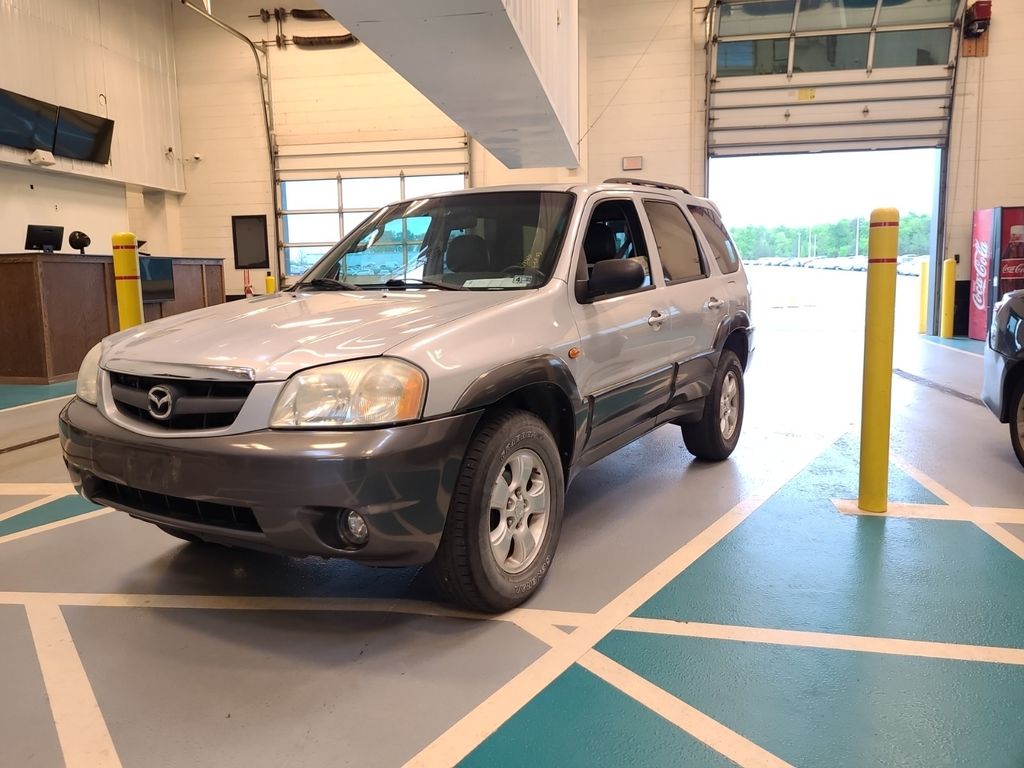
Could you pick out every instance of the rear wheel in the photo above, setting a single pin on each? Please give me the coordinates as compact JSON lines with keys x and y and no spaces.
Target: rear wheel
{"x":714,"y":437}
{"x":1017,"y":421}
{"x":505,"y":516}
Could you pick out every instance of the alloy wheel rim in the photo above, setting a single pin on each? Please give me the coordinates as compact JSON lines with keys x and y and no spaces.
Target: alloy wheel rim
{"x":729,"y":407}
{"x":519,"y":511}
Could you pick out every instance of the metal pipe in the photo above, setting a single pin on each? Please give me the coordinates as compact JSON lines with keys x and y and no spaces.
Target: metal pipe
{"x":262,"y":78}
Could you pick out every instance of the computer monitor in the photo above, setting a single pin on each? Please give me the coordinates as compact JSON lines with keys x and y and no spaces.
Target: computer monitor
{"x":43,"y":238}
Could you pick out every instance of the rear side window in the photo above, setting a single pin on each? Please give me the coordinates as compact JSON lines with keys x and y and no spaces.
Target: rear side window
{"x":677,"y":246}
{"x":711,"y":225}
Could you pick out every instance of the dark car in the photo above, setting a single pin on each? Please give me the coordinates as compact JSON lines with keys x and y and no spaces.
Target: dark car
{"x":1003,"y":387}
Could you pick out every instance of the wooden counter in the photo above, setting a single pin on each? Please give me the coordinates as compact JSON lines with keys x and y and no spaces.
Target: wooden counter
{"x":54,"y":307}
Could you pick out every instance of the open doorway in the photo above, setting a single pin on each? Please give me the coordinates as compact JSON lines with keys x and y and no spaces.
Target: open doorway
{"x":801,"y":224}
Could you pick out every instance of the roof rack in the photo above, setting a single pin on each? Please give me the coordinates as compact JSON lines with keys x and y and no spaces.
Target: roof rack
{"x":646,"y":183}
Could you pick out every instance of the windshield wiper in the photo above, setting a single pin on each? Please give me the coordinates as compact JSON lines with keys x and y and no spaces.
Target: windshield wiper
{"x":398,"y":282}
{"x":328,"y":284}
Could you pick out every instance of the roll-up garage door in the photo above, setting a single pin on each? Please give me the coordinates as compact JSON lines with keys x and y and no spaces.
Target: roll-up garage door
{"x":327,"y":189}
{"x":823,"y":75}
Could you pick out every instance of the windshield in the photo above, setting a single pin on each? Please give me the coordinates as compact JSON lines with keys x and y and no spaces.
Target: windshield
{"x":482,"y":241}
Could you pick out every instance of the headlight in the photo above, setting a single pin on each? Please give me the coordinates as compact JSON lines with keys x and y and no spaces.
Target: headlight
{"x":88,"y":376}
{"x":354,"y":394}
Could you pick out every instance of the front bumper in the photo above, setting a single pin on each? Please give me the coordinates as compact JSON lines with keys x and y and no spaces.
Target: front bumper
{"x":278,"y":490}
{"x":993,"y":384}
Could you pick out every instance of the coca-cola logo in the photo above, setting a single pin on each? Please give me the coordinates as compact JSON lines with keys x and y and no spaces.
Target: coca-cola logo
{"x":978,"y":289}
{"x":1012,"y":268}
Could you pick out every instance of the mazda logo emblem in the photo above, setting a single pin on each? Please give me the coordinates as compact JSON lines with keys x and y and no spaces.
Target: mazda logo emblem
{"x":161,"y":403}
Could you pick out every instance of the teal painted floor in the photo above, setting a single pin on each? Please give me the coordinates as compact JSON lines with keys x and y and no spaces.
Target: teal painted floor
{"x":51,"y":512}
{"x":12,"y":395}
{"x":796,"y":563}
{"x":960,"y":342}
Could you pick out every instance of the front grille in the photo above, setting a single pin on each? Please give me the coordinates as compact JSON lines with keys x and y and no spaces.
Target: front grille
{"x":175,"y":507}
{"x":195,"y":404}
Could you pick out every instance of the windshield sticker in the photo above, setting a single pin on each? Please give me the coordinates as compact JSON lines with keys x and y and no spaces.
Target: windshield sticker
{"x":512,"y":281}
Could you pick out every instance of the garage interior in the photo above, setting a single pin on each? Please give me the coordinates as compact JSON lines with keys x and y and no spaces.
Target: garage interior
{"x":744,"y":612}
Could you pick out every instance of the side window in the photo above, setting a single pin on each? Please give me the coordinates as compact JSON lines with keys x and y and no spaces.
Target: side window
{"x":711,"y":225}
{"x":614,"y":232}
{"x":677,"y":247}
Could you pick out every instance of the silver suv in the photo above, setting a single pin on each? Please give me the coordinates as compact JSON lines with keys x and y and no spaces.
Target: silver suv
{"x":435,"y":407}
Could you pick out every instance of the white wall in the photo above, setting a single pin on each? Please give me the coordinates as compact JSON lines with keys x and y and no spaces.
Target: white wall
{"x":986,"y":167}
{"x":108,"y":57}
{"x":319,"y":96}
{"x":31,"y":196}
{"x":646,"y":91}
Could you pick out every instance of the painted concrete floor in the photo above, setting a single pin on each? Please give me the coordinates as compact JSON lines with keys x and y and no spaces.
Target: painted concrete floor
{"x":740,"y":613}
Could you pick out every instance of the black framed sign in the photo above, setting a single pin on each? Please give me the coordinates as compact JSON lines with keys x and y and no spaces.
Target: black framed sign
{"x":249,"y":237}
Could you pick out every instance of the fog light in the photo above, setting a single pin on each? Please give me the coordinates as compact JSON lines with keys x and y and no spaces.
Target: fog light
{"x":353,"y":528}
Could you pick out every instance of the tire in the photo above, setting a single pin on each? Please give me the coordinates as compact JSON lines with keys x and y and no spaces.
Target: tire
{"x":1017,"y":421}
{"x":489,"y":494}
{"x":191,"y":538}
{"x":714,"y":437}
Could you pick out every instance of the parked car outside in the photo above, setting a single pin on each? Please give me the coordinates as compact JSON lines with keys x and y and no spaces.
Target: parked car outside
{"x":1003,"y":383}
{"x":400,"y":420}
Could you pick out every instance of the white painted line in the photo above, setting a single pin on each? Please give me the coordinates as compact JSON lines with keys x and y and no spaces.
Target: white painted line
{"x":84,"y":738}
{"x":463,"y":737}
{"x":546,"y":633}
{"x":54,"y":525}
{"x":884,"y":645}
{"x":937,"y":512}
{"x":932,"y":485}
{"x":37,"y":489}
{"x":1004,"y":537}
{"x":29,"y":506}
{"x":37,"y":402}
{"x":723,"y":740}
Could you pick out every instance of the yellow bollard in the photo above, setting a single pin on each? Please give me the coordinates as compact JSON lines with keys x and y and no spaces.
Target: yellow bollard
{"x":879,"y":322}
{"x":948,"y":294}
{"x":270,"y":284}
{"x":922,"y":325}
{"x":126,"y":280}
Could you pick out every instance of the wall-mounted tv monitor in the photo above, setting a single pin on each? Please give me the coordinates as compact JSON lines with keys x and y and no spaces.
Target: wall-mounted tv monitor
{"x":26,"y":123}
{"x":82,"y":136}
{"x":157,"y":278}
{"x":42,"y":238}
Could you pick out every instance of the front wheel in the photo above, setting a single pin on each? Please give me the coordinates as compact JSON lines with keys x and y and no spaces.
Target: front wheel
{"x":714,"y":437}
{"x":505,"y":516}
{"x":1017,"y":421}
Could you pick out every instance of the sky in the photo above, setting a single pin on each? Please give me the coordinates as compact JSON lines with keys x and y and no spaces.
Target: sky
{"x":799,"y":190}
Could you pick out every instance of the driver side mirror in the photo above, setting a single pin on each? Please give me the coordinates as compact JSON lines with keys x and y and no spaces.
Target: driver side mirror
{"x":615,"y":276}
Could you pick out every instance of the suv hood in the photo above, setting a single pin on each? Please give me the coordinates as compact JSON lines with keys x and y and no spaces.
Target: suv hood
{"x":277,"y":335}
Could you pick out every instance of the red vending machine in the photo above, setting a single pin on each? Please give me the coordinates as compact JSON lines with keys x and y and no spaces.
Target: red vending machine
{"x":997,"y":263}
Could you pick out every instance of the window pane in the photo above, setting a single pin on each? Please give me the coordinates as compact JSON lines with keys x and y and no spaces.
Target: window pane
{"x":300,"y":258}
{"x":311,"y":228}
{"x":711,"y":225}
{"x":916,"y":11}
{"x":835,"y":14}
{"x":430,"y":185}
{"x":753,"y":57}
{"x":829,"y":52}
{"x":919,"y":47}
{"x":353,"y":219}
{"x":756,"y":17}
{"x":680,"y":258}
{"x":615,"y":232}
{"x":309,"y":195}
{"x":370,"y":193}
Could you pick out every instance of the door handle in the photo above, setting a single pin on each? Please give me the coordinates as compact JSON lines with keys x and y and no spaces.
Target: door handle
{"x":656,"y":319}
{"x":714,"y":303}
